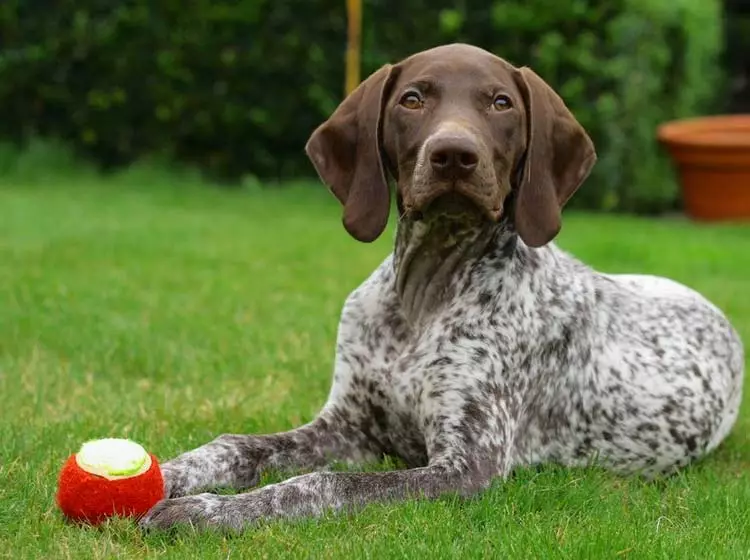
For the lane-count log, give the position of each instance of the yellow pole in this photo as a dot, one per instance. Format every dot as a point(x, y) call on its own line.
point(353, 44)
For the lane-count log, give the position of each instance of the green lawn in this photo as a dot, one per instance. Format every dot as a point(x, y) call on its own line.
point(171, 313)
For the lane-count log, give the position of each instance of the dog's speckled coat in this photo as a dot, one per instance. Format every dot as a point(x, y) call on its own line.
point(478, 345)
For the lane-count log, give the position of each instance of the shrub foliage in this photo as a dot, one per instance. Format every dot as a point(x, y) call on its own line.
point(237, 87)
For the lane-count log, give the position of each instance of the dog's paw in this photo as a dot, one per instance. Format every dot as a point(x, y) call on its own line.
point(199, 511)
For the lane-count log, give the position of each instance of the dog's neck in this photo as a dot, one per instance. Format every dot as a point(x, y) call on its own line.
point(433, 259)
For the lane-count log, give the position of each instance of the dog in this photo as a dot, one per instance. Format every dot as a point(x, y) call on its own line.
point(478, 345)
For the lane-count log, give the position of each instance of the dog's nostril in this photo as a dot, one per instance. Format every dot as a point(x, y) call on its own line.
point(440, 159)
point(468, 160)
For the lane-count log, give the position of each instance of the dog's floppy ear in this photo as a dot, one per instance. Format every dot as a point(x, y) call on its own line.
point(559, 157)
point(345, 151)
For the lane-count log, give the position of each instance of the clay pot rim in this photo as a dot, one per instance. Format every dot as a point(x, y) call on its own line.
point(705, 131)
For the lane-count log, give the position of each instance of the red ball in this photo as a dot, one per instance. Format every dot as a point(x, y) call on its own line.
point(91, 498)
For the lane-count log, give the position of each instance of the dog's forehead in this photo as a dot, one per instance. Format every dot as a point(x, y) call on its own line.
point(455, 63)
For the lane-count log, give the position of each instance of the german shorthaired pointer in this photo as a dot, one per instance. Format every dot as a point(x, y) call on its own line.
point(478, 345)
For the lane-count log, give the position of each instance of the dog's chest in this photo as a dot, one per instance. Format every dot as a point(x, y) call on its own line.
point(391, 396)
point(462, 366)
point(398, 379)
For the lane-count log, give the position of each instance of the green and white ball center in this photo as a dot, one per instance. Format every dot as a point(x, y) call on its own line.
point(113, 458)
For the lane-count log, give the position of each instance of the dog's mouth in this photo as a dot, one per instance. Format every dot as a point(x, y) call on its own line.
point(452, 204)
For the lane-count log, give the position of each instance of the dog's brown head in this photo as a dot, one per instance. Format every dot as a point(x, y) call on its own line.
point(454, 120)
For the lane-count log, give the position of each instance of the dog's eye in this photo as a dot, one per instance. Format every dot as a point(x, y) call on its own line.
point(411, 100)
point(502, 102)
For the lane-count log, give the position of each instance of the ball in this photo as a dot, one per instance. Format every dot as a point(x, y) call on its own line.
point(109, 477)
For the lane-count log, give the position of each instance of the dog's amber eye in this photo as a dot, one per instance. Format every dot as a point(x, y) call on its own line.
point(411, 100)
point(502, 103)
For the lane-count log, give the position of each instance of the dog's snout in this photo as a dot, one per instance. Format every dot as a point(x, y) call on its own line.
point(453, 156)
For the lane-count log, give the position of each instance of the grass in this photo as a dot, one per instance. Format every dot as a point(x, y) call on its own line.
point(152, 307)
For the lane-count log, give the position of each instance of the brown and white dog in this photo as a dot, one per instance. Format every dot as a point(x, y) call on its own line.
point(478, 345)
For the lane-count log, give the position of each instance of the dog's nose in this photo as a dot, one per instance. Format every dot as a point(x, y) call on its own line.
point(453, 157)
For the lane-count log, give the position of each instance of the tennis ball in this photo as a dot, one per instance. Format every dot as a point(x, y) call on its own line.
point(109, 477)
point(113, 458)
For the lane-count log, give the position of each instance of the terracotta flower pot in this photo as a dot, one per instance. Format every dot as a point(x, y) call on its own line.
point(712, 156)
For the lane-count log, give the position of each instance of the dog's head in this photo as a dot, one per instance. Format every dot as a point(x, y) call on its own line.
point(453, 124)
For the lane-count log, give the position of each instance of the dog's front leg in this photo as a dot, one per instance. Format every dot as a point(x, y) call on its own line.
point(237, 461)
point(315, 493)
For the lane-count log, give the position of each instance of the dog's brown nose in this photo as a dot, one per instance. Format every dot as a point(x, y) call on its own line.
point(453, 157)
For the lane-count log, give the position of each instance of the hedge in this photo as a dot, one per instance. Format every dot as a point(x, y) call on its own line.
point(737, 54)
point(236, 87)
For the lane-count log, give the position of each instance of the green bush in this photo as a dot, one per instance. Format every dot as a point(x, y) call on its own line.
point(237, 87)
point(737, 54)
